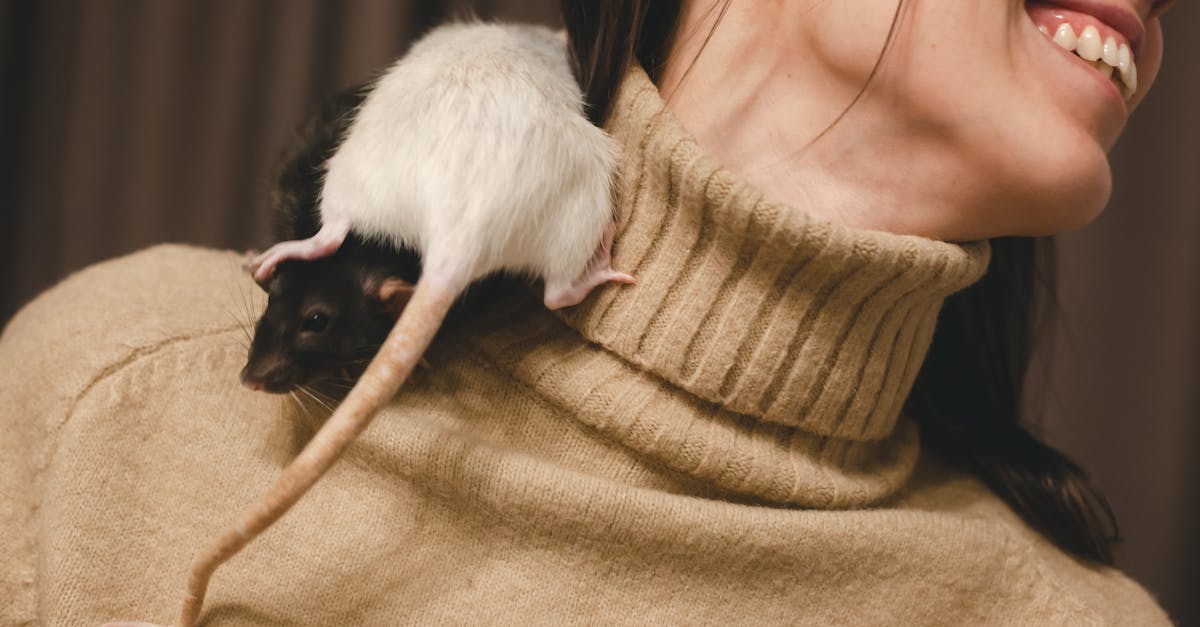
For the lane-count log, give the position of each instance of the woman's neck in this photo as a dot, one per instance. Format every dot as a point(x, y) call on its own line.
point(760, 114)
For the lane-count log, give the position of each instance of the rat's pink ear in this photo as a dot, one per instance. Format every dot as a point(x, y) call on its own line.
point(394, 294)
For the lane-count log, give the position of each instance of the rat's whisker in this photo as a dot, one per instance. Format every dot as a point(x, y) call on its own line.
point(316, 389)
point(315, 398)
point(242, 324)
point(246, 305)
point(302, 406)
point(229, 311)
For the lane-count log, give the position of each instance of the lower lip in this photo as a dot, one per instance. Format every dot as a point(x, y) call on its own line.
point(1113, 94)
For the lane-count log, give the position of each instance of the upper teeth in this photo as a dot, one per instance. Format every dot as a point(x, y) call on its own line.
point(1105, 56)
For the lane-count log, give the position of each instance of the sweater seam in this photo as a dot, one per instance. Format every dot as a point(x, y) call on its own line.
point(115, 367)
point(102, 374)
point(1025, 549)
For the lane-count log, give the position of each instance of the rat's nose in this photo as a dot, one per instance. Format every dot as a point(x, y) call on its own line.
point(273, 377)
point(250, 381)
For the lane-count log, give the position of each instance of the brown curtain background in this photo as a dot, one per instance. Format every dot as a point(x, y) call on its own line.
point(125, 123)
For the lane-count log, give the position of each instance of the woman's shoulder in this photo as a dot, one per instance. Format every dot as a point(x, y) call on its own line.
point(78, 363)
point(960, 503)
point(159, 291)
point(106, 313)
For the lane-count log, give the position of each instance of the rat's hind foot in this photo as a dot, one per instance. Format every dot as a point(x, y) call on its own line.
point(559, 296)
point(598, 272)
point(323, 244)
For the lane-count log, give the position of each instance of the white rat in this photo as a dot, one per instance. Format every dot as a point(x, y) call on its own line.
point(474, 151)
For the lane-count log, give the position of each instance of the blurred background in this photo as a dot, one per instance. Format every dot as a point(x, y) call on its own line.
point(125, 123)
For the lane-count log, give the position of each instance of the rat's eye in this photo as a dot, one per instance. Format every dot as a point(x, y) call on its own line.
point(315, 323)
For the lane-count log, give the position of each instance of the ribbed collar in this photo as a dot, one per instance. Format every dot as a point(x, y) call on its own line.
point(756, 306)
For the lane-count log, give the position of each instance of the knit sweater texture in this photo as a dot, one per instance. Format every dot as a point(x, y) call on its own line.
point(722, 443)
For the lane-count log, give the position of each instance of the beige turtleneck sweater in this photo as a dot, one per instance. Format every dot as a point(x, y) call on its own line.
point(721, 443)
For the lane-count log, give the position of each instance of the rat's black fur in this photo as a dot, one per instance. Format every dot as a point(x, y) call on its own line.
point(297, 181)
point(323, 319)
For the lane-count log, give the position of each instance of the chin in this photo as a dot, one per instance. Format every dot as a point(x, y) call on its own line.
point(1064, 193)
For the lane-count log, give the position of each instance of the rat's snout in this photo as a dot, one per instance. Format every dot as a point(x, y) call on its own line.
point(273, 378)
point(249, 381)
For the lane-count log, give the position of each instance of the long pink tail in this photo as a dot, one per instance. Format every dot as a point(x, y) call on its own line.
point(400, 353)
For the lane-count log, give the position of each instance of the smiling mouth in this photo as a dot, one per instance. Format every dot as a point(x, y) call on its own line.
point(1103, 47)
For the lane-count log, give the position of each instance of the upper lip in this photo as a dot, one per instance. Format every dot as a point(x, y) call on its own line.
point(1120, 18)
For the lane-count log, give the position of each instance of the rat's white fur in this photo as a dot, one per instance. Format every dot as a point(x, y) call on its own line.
point(474, 150)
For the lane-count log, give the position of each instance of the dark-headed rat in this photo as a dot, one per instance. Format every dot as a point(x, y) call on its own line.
point(325, 318)
point(474, 151)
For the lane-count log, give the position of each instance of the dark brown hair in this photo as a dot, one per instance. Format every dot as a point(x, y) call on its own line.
point(967, 397)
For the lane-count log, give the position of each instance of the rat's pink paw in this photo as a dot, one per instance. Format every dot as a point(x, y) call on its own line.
point(620, 277)
point(557, 296)
point(262, 266)
point(324, 243)
point(248, 258)
point(598, 272)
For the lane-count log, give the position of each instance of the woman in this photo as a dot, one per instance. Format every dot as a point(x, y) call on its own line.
point(735, 440)
point(931, 146)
